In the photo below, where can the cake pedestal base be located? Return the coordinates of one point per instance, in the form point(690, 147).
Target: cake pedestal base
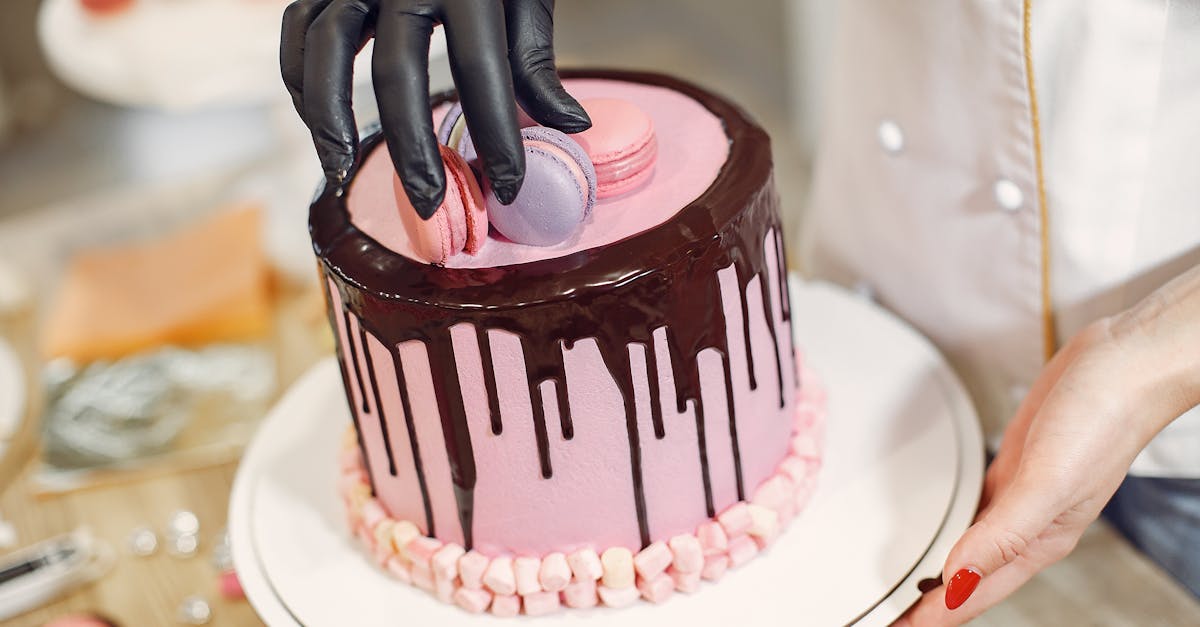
point(903, 466)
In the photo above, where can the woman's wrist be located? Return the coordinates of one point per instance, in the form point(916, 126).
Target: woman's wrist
point(1159, 340)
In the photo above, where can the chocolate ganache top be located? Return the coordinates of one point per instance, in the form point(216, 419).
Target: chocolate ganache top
point(360, 260)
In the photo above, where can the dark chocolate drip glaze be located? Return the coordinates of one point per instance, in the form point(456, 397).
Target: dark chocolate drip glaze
point(745, 303)
point(733, 434)
point(489, 379)
point(341, 359)
point(769, 313)
point(656, 416)
point(536, 374)
point(566, 424)
point(362, 390)
point(379, 413)
point(616, 294)
point(411, 427)
point(617, 359)
point(702, 445)
point(455, 432)
point(785, 304)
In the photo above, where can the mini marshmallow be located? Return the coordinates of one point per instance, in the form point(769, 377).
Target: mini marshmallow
point(372, 513)
point(805, 447)
point(366, 538)
point(688, 555)
point(714, 567)
point(357, 497)
point(398, 569)
point(618, 597)
point(443, 589)
point(422, 577)
point(685, 582)
point(383, 536)
point(795, 468)
point(658, 589)
point(525, 569)
point(712, 537)
point(555, 573)
point(585, 563)
point(350, 439)
point(470, 569)
point(581, 594)
point(741, 550)
point(618, 567)
point(813, 393)
point(421, 549)
point(774, 492)
point(500, 578)
point(506, 605)
point(735, 520)
point(764, 541)
point(348, 460)
point(541, 603)
point(445, 561)
point(404, 532)
point(806, 414)
point(764, 522)
point(653, 560)
point(787, 511)
point(473, 601)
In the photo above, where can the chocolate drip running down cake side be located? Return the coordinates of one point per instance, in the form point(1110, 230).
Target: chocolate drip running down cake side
point(633, 391)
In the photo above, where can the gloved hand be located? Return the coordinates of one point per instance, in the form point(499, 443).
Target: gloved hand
point(496, 48)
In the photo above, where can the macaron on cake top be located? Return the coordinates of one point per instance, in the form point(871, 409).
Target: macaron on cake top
point(557, 196)
point(621, 144)
point(653, 149)
point(460, 224)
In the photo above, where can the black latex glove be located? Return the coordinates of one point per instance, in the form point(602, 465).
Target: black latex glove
point(494, 47)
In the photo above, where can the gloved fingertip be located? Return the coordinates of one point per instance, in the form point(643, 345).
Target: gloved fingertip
point(426, 200)
point(336, 166)
point(573, 118)
point(506, 190)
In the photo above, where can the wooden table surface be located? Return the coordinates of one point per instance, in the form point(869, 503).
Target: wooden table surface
point(1104, 582)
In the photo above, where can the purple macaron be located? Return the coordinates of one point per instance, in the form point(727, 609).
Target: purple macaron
point(453, 131)
point(559, 191)
point(558, 194)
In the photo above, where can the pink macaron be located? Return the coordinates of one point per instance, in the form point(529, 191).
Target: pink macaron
point(621, 145)
point(459, 225)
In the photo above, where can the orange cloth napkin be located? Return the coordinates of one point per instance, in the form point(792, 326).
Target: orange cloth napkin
point(207, 283)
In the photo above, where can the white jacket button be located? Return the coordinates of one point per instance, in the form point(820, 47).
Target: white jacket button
point(891, 138)
point(1008, 195)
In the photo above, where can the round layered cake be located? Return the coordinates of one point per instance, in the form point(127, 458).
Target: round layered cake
point(613, 417)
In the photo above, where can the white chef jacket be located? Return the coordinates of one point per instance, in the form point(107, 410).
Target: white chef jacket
point(1000, 175)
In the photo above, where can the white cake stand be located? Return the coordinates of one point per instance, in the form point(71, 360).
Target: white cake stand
point(904, 465)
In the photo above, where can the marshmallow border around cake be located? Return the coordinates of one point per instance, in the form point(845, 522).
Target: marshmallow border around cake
point(614, 577)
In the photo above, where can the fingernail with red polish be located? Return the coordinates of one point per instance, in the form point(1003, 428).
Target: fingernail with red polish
point(961, 585)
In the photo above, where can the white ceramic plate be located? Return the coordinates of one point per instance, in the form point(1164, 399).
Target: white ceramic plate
point(900, 483)
point(179, 55)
